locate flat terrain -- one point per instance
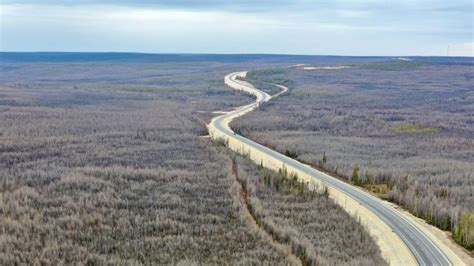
(105, 161)
(400, 239)
(403, 130)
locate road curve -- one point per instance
(421, 244)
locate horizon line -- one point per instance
(196, 53)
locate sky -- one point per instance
(320, 27)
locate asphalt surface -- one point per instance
(423, 248)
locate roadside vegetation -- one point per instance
(318, 231)
(403, 130)
(95, 169)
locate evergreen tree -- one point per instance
(355, 175)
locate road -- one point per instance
(425, 249)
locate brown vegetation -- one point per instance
(318, 231)
(120, 181)
(96, 169)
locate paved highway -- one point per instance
(424, 249)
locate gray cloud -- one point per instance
(300, 26)
(267, 5)
(396, 8)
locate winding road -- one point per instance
(422, 247)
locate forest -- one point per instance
(306, 220)
(403, 130)
(106, 161)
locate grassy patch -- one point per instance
(381, 190)
(415, 128)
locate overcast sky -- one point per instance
(338, 27)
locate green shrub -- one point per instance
(414, 128)
(464, 231)
(355, 175)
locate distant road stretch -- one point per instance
(423, 247)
